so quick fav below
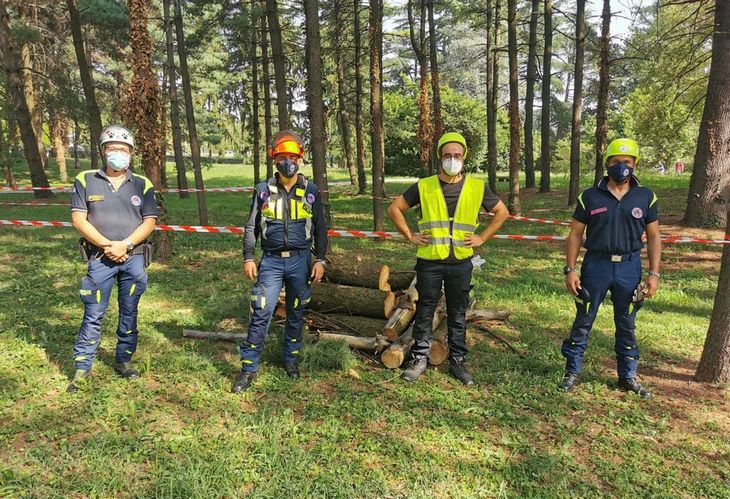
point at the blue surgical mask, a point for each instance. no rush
(620, 172)
(118, 161)
(287, 167)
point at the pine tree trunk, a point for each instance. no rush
(425, 137)
(604, 75)
(438, 123)
(375, 36)
(255, 124)
(359, 139)
(272, 15)
(577, 103)
(87, 81)
(714, 364)
(58, 128)
(343, 114)
(190, 114)
(547, 56)
(14, 75)
(530, 95)
(31, 97)
(315, 101)
(513, 202)
(5, 159)
(492, 111)
(182, 180)
(142, 109)
(267, 94)
(707, 201)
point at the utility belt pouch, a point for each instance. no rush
(147, 253)
(85, 250)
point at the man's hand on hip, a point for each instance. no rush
(473, 241)
(420, 239)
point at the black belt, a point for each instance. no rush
(95, 250)
(286, 253)
(614, 257)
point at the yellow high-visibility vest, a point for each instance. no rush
(446, 232)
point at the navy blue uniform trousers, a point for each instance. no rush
(598, 277)
(96, 289)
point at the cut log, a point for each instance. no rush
(403, 313)
(375, 343)
(352, 270)
(440, 345)
(354, 325)
(395, 280)
(393, 356)
(487, 314)
(336, 298)
(213, 335)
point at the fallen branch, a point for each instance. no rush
(498, 338)
(214, 335)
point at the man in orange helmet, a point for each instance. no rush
(288, 215)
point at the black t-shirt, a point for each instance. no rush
(451, 195)
(616, 226)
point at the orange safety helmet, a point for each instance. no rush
(286, 141)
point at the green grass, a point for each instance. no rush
(177, 432)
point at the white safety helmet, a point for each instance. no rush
(116, 133)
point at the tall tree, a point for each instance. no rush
(359, 140)
(58, 129)
(709, 189)
(577, 102)
(272, 15)
(714, 363)
(377, 135)
(14, 74)
(190, 113)
(547, 57)
(314, 100)
(31, 97)
(513, 202)
(438, 123)
(267, 94)
(182, 180)
(604, 75)
(87, 81)
(4, 158)
(530, 95)
(493, 97)
(342, 103)
(425, 132)
(255, 123)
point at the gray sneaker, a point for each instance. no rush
(414, 368)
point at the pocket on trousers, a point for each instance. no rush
(90, 293)
(258, 297)
(303, 297)
(139, 287)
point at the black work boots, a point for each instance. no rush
(568, 382)
(125, 370)
(243, 381)
(78, 380)
(631, 385)
(459, 371)
(292, 370)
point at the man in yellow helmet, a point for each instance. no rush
(617, 212)
(450, 204)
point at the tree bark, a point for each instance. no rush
(31, 97)
(547, 56)
(355, 325)
(513, 202)
(714, 364)
(377, 138)
(425, 137)
(190, 114)
(403, 313)
(214, 335)
(709, 189)
(492, 111)
(335, 298)
(604, 75)
(393, 356)
(577, 102)
(376, 343)
(315, 101)
(438, 124)
(5, 158)
(14, 75)
(342, 104)
(359, 139)
(267, 94)
(255, 124)
(87, 81)
(58, 127)
(182, 180)
(530, 95)
(272, 15)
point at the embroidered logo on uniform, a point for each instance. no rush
(310, 198)
(264, 195)
(637, 212)
(96, 197)
(599, 210)
(136, 201)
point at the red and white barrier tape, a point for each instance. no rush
(207, 229)
(536, 220)
(31, 203)
(26, 189)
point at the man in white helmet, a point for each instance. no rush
(114, 210)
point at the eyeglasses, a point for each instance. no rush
(116, 149)
(452, 156)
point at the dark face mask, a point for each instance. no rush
(620, 172)
(287, 167)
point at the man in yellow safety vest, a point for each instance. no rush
(450, 203)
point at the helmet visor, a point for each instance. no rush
(288, 146)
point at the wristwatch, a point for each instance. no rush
(568, 269)
(130, 244)
(651, 272)
(322, 262)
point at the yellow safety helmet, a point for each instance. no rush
(622, 147)
(451, 137)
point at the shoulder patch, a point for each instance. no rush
(81, 177)
(147, 182)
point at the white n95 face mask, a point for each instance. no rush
(452, 166)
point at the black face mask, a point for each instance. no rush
(620, 172)
(287, 167)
